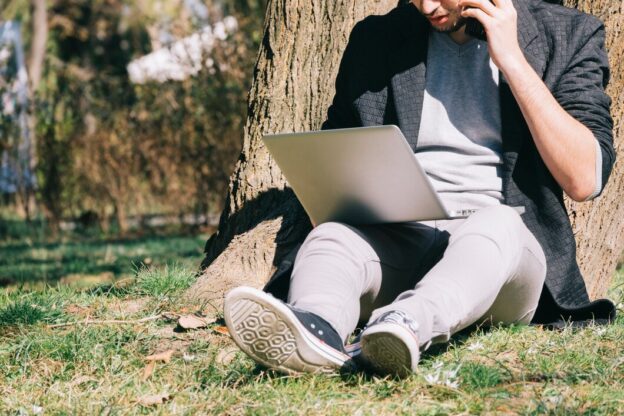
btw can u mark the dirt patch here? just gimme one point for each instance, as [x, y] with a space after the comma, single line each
[129, 306]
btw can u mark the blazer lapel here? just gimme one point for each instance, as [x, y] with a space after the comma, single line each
[409, 69]
[408, 89]
[514, 128]
[408, 66]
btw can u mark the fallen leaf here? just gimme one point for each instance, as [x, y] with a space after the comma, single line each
[192, 322]
[164, 356]
[221, 330]
[154, 399]
[148, 370]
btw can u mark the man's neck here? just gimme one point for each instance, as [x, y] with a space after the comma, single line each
[459, 36]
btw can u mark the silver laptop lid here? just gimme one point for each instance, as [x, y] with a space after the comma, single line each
[362, 175]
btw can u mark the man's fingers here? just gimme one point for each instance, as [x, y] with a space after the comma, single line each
[483, 5]
[501, 4]
[478, 14]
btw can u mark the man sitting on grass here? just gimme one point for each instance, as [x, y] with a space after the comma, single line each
[513, 121]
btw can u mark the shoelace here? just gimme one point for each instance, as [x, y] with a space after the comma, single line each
[398, 317]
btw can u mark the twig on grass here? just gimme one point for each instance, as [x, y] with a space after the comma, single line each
[166, 315]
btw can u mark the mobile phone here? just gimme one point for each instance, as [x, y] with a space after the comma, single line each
[475, 29]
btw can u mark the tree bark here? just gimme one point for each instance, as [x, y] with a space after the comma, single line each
[292, 89]
[36, 59]
[598, 225]
[38, 42]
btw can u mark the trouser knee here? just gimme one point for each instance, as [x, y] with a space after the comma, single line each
[339, 239]
[500, 224]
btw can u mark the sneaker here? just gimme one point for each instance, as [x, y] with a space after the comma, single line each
[389, 344]
[282, 337]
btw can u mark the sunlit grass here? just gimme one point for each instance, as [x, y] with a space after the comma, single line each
[169, 280]
[89, 367]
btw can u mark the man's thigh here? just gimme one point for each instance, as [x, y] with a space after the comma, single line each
[404, 254]
[524, 263]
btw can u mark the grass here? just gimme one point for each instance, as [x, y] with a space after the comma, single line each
[168, 280]
[102, 369]
[85, 260]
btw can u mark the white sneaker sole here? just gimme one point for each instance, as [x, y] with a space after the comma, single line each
[270, 333]
[390, 349]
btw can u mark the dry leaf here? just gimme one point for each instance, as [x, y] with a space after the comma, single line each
[148, 370]
[192, 322]
[221, 330]
[164, 356]
[154, 399]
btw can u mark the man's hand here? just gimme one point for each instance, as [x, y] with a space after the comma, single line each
[501, 25]
[567, 147]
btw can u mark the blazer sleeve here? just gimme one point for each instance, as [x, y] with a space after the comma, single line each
[581, 91]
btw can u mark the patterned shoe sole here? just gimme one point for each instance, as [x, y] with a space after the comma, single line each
[268, 331]
[389, 354]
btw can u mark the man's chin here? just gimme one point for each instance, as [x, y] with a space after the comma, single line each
[453, 27]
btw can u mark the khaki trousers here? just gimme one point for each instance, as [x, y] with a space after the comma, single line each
[446, 275]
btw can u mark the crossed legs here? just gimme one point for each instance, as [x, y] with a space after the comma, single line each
[444, 275]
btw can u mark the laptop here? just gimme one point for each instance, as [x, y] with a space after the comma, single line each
[365, 175]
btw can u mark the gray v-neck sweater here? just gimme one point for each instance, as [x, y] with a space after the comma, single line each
[459, 143]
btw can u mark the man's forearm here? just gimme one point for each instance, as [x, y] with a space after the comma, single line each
[567, 147]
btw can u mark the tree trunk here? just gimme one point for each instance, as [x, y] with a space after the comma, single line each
[36, 59]
[292, 89]
[598, 225]
[38, 42]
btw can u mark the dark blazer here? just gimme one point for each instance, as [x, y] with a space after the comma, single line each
[381, 80]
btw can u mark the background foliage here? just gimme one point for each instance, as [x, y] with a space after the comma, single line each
[109, 149]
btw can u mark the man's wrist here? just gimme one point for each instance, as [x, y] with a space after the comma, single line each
[515, 66]
[518, 72]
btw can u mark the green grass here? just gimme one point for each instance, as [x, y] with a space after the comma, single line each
[101, 369]
[29, 311]
[167, 281]
[28, 263]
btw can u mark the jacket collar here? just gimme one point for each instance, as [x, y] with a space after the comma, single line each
[408, 66]
[515, 132]
[532, 45]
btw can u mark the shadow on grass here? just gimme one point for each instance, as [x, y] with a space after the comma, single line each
[48, 262]
[359, 373]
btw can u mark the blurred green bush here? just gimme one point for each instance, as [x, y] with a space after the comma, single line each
[114, 149]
